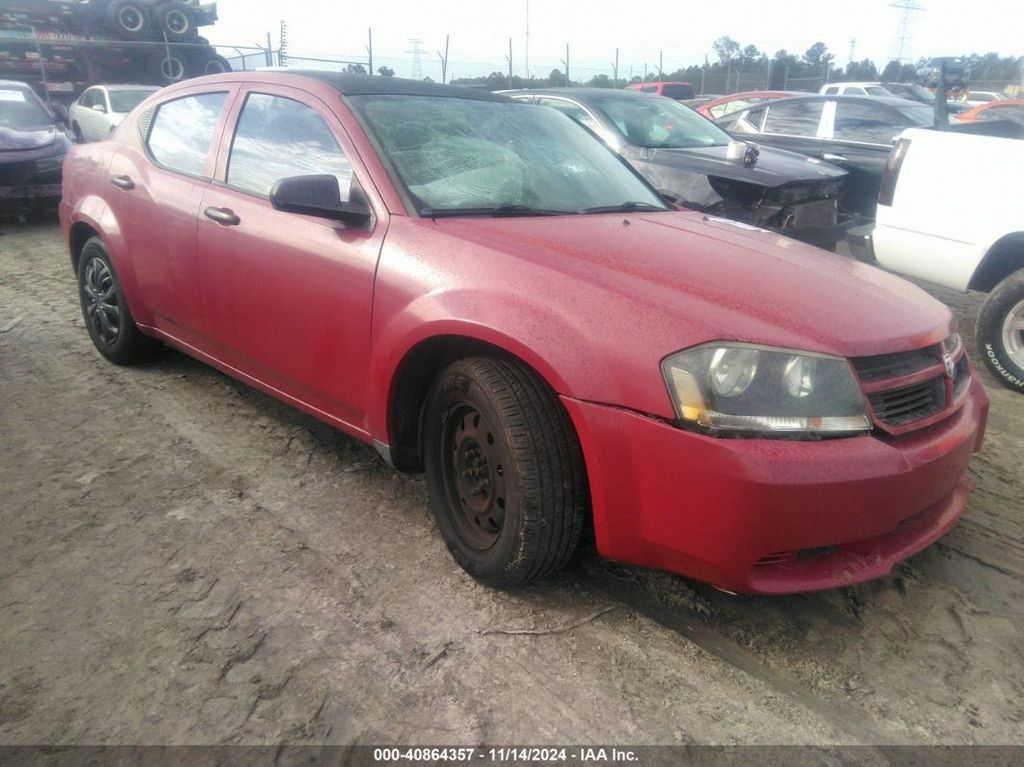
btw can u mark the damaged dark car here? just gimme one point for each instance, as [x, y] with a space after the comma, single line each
[33, 143]
[697, 165]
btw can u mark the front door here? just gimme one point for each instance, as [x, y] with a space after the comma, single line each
[288, 297]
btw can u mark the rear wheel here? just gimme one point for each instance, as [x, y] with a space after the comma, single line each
[505, 471]
[107, 318]
[1000, 331]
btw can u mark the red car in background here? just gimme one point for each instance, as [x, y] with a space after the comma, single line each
[677, 91]
[1006, 109]
[485, 292]
[736, 101]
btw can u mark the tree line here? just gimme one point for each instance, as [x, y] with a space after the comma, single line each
[782, 70]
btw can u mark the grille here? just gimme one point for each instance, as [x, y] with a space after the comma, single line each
[898, 407]
[16, 173]
[884, 366]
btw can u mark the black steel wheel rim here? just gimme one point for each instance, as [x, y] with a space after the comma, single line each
[474, 468]
[99, 296]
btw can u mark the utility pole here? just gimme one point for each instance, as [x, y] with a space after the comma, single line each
[444, 59]
[566, 62]
[703, 74]
[369, 46]
[270, 52]
[282, 52]
[615, 70]
[768, 77]
[509, 58]
[661, 68]
[526, 53]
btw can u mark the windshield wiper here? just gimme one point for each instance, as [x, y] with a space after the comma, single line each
[626, 207]
[497, 211]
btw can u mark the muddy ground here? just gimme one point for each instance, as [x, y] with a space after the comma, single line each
[184, 560]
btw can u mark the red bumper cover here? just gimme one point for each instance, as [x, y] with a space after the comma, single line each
[773, 516]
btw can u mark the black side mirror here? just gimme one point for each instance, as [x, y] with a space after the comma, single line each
[60, 112]
[317, 195]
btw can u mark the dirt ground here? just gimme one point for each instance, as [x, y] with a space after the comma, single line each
[184, 560]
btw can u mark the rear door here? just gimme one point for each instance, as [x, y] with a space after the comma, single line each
[858, 138]
[288, 296]
[161, 185]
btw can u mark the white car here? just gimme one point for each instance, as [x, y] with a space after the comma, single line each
[855, 89]
[101, 108]
[977, 98]
[951, 211]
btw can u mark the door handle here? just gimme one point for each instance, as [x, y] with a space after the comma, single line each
[123, 182]
[222, 216]
[829, 157]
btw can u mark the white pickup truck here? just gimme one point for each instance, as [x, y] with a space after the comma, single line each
[951, 211]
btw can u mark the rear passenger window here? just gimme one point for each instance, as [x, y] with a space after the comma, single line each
[794, 119]
[183, 131]
[277, 138]
[865, 123]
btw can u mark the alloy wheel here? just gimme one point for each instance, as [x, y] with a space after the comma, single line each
[102, 308]
[1013, 334]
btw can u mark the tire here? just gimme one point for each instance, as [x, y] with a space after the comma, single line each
[505, 472]
[174, 19]
[209, 63]
[129, 19]
[1000, 331]
[105, 311]
[171, 67]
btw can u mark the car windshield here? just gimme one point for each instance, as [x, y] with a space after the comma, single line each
[126, 101]
[19, 110]
[478, 157]
[660, 123]
[877, 90]
[920, 94]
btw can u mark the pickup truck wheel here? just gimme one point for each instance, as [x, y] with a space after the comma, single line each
[110, 324]
[1001, 331]
[505, 472]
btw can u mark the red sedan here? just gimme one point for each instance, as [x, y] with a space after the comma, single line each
[1005, 109]
[483, 291]
[736, 101]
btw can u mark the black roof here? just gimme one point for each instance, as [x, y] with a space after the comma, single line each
[364, 85]
[584, 93]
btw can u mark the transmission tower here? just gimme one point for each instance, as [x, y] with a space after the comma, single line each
[282, 54]
[417, 58]
[903, 45]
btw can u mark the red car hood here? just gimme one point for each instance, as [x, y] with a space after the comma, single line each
[695, 279]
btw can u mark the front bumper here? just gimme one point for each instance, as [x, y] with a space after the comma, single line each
[773, 516]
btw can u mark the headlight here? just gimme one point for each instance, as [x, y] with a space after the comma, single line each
[737, 388]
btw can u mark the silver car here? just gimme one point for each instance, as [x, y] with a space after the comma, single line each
[101, 108]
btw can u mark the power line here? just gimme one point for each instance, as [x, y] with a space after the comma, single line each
[902, 49]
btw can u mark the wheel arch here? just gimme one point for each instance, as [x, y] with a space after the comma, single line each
[417, 370]
[1005, 257]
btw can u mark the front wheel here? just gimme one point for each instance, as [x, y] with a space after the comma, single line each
[1000, 331]
[107, 318]
[505, 471]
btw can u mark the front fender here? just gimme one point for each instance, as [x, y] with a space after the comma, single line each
[559, 352]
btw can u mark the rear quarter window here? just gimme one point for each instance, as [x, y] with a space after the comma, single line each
[183, 130]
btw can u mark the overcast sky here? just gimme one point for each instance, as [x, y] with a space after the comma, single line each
[594, 28]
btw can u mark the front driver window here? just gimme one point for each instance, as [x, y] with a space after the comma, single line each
[278, 138]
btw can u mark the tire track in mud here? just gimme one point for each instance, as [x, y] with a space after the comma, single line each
[855, 723]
